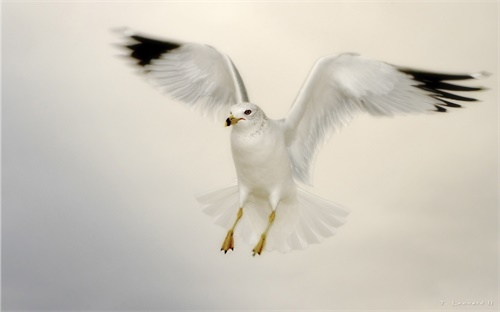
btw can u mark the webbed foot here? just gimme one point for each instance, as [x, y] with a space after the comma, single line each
[260, 245]
[228, 242]
[262, 241]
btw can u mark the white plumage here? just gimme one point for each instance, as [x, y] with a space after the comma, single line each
[273, 157]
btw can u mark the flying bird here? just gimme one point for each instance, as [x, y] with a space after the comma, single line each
[268, 206]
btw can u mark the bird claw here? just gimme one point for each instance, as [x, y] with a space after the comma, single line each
[260, 245]
[228, 242]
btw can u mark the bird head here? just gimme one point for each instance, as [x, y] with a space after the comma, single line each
[245, 115]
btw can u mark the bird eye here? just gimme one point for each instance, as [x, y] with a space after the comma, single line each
[248, 112]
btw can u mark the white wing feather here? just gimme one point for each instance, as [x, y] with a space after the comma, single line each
[196, 74]
[338, 88]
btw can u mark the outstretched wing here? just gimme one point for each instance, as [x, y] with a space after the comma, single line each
[339, 87]
[196, 74]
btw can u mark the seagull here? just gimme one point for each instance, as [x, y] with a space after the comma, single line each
[268, 207]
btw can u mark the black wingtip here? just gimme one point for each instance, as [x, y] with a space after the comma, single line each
[447, 95]
[448, 103]
[433, 83]
[438, 85]
[440, 109]
[420, 75]
[144, 50]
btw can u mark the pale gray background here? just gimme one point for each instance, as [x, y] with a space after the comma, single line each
[100, 170]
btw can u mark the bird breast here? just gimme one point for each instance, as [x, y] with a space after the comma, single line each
[262, 161]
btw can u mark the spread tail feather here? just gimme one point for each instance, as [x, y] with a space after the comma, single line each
[307, 221]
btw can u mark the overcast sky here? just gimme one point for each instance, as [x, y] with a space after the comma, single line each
[100, 170]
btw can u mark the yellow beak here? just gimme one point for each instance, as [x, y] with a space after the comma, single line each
[231, 121]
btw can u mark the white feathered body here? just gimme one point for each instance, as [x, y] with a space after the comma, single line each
[262, 162]
[266, 183]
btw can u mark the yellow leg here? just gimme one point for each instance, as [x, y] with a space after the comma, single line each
[262, 242]
[229, 241]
